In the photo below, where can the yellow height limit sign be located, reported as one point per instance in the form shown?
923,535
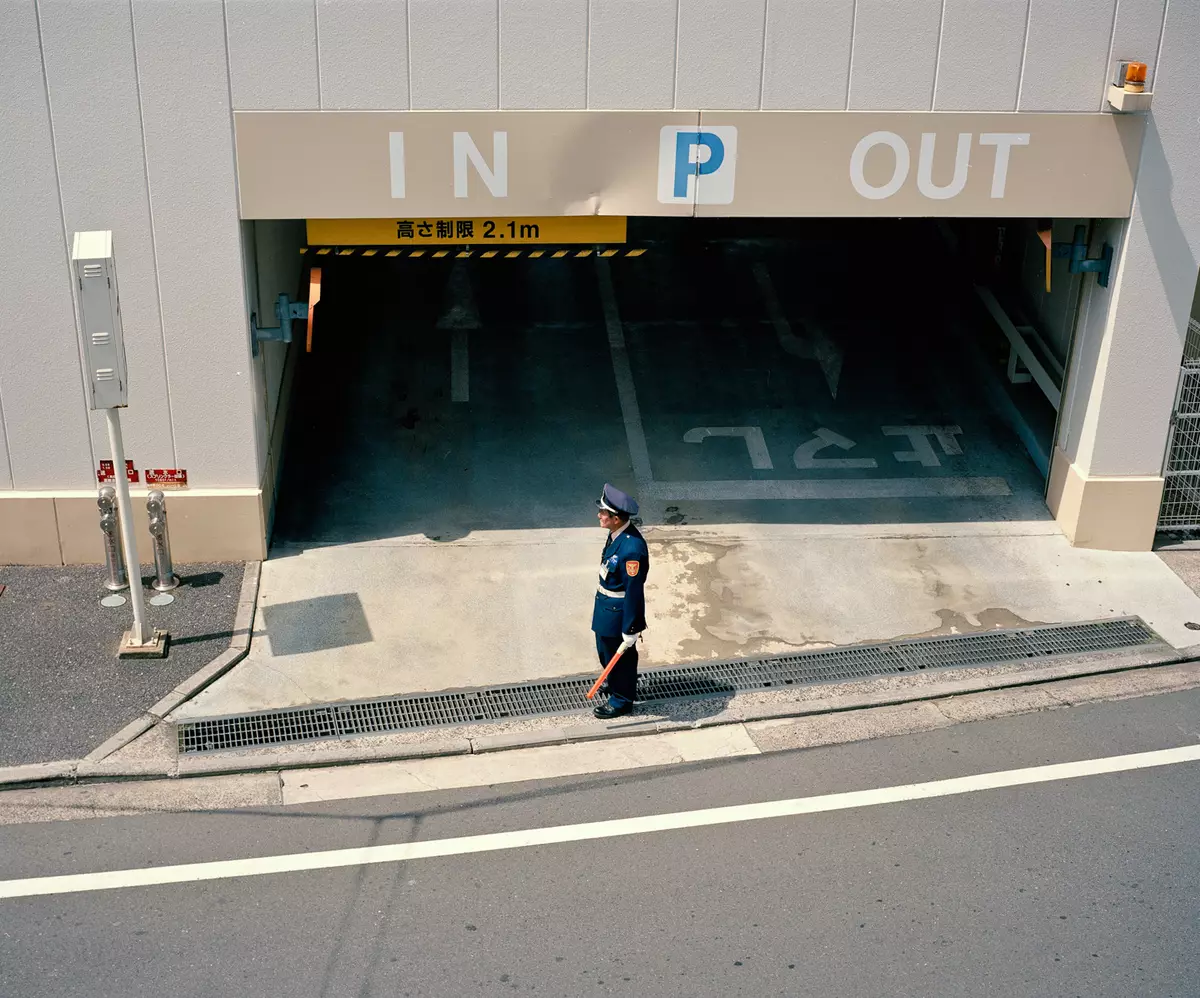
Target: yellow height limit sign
460,231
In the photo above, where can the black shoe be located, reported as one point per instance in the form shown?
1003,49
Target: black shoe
607,711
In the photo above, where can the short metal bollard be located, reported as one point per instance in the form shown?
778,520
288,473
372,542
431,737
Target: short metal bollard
156,506
110,524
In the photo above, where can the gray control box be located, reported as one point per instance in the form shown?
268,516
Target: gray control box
100,312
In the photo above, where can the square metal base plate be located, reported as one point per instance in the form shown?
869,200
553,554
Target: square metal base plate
157,648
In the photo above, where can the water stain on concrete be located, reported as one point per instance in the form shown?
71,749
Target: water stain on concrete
956,622
708,601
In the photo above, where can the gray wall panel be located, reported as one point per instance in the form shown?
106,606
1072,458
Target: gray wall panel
807,54
983,43
98,133
1066,57
41,382
272,54
631,54
453,48
189,146
895,54
1157,277
364,54
720,54
543,53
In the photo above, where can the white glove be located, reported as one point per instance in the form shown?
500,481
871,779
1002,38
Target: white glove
628,640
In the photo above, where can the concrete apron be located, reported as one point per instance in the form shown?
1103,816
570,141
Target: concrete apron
410,615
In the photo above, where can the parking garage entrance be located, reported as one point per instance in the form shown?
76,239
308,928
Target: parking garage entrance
775,372
832,438
828,373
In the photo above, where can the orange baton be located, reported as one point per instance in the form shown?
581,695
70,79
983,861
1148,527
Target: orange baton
604,675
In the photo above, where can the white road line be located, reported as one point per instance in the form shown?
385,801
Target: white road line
407,851
460,367
830,488
639,453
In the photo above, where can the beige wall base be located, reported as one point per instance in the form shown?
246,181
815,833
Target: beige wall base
63,528
1112,514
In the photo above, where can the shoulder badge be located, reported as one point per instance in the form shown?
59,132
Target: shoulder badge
632,568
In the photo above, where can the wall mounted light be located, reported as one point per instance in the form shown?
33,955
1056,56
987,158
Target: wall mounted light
1128,89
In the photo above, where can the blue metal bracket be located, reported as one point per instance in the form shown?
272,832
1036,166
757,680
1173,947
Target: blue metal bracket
285,311
1076,252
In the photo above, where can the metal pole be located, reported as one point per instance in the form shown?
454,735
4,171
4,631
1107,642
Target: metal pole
111,526
139,635
156,506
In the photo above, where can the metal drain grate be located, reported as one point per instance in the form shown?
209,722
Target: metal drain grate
565,696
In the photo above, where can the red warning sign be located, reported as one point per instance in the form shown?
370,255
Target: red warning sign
107,473
167,478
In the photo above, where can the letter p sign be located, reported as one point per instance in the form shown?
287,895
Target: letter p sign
696,165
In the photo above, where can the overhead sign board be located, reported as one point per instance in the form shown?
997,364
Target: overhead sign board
425,166
496,231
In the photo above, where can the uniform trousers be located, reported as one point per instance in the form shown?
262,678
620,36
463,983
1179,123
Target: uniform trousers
622,681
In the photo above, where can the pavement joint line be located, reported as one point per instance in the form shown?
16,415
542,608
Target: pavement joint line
186,768
360,856
718,532
239,648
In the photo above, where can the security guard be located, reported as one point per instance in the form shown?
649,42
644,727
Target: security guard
619,614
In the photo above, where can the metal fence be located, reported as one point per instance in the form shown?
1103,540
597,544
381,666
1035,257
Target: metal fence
1180,508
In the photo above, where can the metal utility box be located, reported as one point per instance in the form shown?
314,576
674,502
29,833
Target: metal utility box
100,314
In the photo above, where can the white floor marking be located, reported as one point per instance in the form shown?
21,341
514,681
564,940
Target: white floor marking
407,851
805,455
823,350
458,308
830,359
833,488
922,449
639,453
756,444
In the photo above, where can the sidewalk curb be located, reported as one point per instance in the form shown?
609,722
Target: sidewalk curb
38,772
940,693
1185,661
239,647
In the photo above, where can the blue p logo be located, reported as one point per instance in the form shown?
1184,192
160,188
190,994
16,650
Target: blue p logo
696,165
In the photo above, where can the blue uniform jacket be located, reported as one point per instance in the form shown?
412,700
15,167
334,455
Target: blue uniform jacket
624,566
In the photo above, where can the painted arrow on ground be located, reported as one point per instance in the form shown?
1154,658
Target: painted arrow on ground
459,316
816,345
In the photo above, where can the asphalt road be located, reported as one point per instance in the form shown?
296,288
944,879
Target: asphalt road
1085,887
63,690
